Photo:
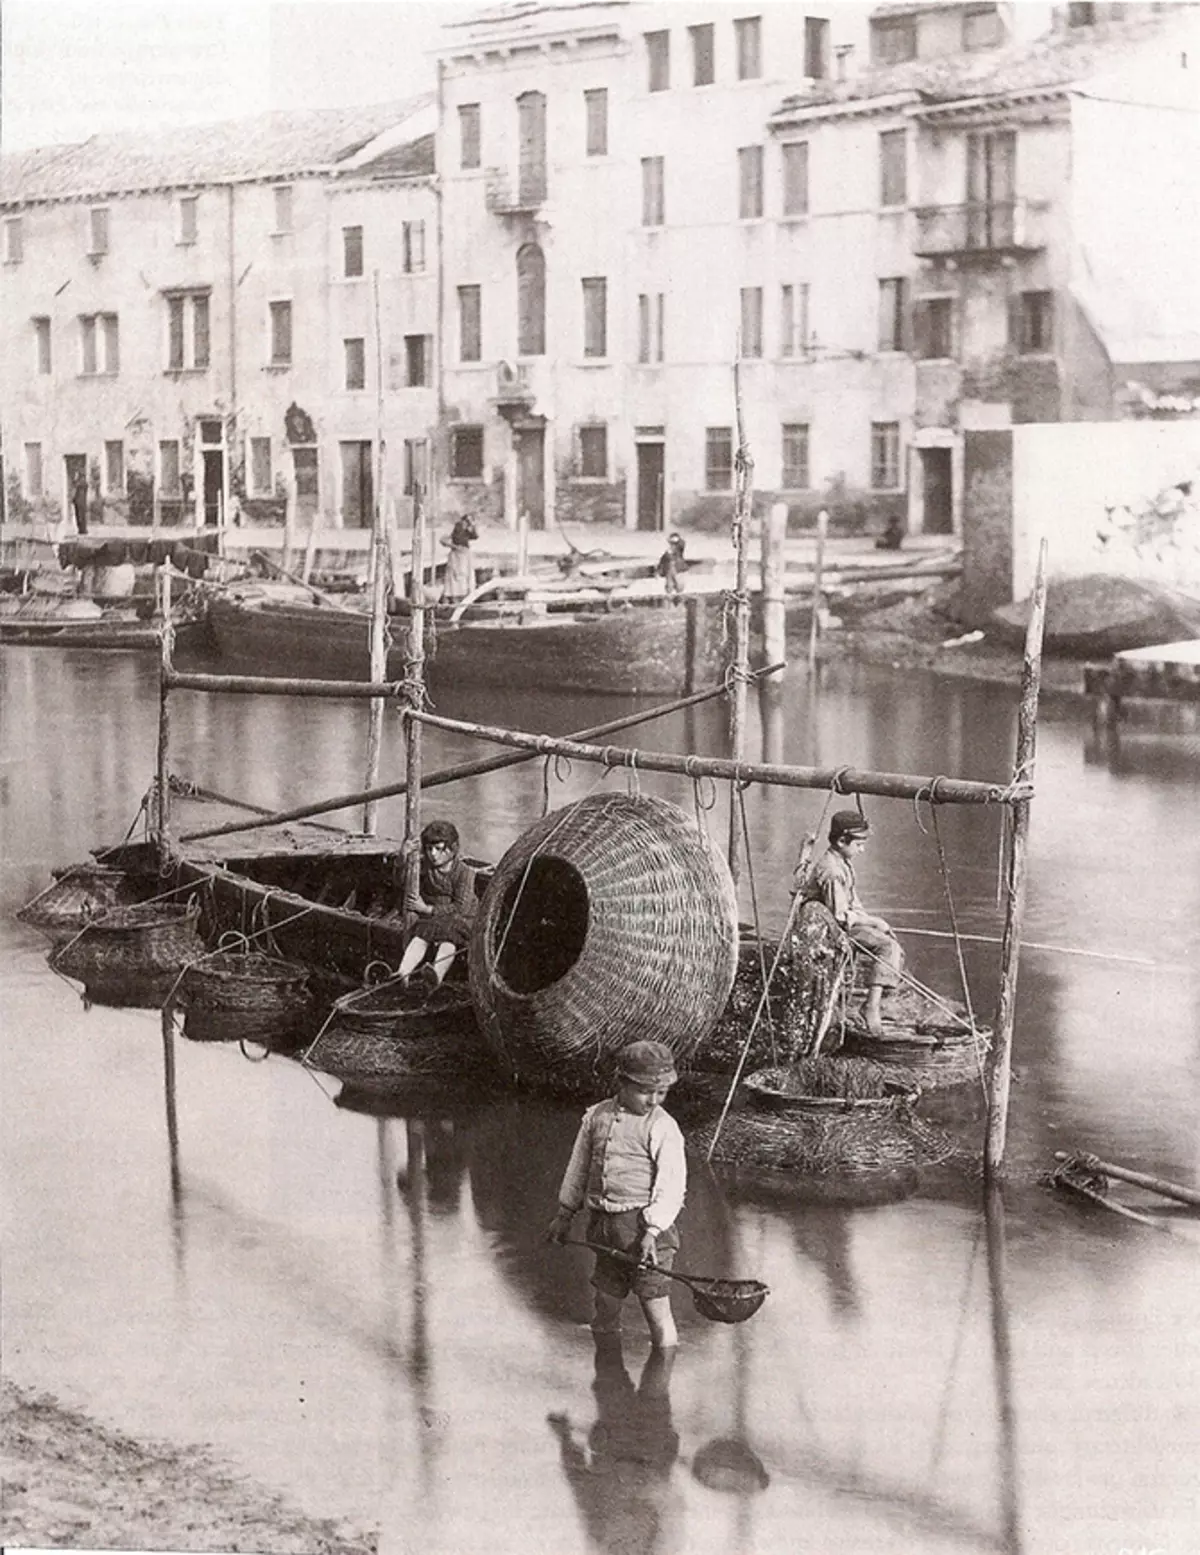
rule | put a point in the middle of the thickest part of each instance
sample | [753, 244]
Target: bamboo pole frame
[842, 780]
[462, 769]
[743, 466]
[414, 686]
[162, 787]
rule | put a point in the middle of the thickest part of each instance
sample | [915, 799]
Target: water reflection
[620, 1472]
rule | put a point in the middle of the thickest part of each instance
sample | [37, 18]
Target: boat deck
[1167, 672]
[193, 813]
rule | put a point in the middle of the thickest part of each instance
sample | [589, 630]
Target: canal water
[357, 1310]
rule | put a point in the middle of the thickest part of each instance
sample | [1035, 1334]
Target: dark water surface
[358, 1310]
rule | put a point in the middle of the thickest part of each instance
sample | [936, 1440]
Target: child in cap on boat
[440, 896]
[832, 883]
[628, 1167]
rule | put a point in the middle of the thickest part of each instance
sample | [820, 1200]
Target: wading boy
[628, 1167]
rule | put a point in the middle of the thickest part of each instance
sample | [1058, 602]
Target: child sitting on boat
[440, 897]
[628, 1167]
[831, 882]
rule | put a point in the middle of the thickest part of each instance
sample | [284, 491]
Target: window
[34, 479]
[189, 205]
[418, 354]
[187, 331]
[98, 229]
[352, 252]
[1035, 323]
[793, 320]
[933, 327]
[593, 452]
[703, 57]
[469, 147]
[893, 40]
[114, 469]
[650, 327]
[470, 324]
[168, 469]
[14, 240]
[1080, 13]
[750, 336]
[41, 344]
[281, 334]
[466, 453]
[413, 246]
[750, 182]
[795, 178]
[101, 343]
[354, 351]
[416, 464]
[718, 458]
[893, 167]
[595, 316]
[893, 297]
[793, 474]
[261, 481]
[595, 108]
[885, 455]
[658, 61]
[982, 29]
[531, 148]
[531, 301]
[283, 207]
[816, 47]
[653, 192]
[747, 37]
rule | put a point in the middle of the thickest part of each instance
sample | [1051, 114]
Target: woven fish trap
[125, 989]
[80, 893]
[151, 937]
[782, 1018]
[449, 1054]
[835, 1141]
[610, 920]
[231, 980]
[279, 1030]
[927, 1045]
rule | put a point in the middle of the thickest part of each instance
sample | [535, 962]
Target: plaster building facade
[189, 320]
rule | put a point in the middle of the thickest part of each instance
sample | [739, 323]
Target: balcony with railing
[983, 230]
[522, 196]
[515, 391]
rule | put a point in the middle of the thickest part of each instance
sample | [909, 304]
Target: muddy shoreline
[69, 1483]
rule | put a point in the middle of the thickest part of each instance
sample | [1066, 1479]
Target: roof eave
[853, 107]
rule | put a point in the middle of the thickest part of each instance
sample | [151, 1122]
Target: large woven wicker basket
[79, 893]
[611, 920]
[232, 980]
[152, 937]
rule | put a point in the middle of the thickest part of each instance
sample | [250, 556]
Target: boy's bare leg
[873, 1010]
[661, 1321]
[442, 958]
[606, 1314]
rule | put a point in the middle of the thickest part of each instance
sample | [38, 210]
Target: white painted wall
[1084, 486]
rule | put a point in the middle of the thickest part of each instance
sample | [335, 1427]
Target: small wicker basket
[245, 981]
[145, 938]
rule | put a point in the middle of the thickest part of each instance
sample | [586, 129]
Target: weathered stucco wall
[987, 523]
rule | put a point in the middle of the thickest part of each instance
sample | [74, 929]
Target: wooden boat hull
[652, 647]
[55, 632]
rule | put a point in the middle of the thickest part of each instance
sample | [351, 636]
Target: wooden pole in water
[162, 788]
[414, 691]
[774, 537]
[379, 581]
[743, 469]
[999, 1074]
[1009, 1464]
[814, 626]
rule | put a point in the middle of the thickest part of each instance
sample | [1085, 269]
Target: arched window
[531, 301]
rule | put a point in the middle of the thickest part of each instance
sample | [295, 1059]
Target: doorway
[358, 487]
[304, 469]
[214, 484]
[75, 479]
[531, 474]
[651, 468]
[937, 486]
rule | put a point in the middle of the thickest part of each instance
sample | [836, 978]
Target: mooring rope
[758, 935]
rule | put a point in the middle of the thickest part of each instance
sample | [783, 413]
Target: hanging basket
[152, 937]
[80, 893]
[611, 920]
[245, 982]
